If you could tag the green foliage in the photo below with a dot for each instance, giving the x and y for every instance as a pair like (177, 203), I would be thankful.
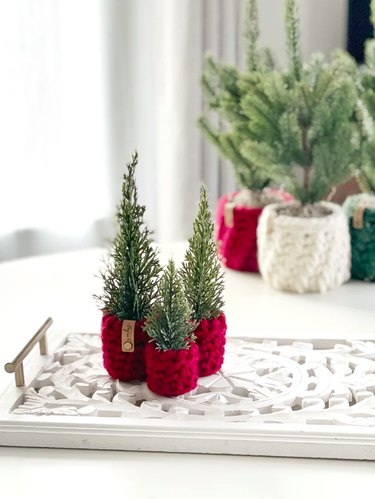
(223, 96)
(132, 274)
(293, 37)
(294, 127)
(168, 323)
(251, 34)
(201, 271)
(366, 114)
(305, 128)
(368, 73)
(366, 176)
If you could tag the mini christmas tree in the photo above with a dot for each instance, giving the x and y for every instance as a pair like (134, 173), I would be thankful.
(222, 87)
(201, 271)
(297, 126)
(168, 323)
(307, 116)
(366, 114)
(131, 278)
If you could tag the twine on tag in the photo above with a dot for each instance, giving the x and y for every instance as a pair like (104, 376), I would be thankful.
(228, 214)
(358, 216)
(367, 202)
(127, 336)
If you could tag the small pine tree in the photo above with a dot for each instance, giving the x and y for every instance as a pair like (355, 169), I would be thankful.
(201, 271)
(168, 322)
(306, 117)
(366, 114)
(366, 171)
(295, 127)
(223, 92)
(131, 276)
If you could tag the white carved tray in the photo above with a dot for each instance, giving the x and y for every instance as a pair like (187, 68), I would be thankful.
(272, 397)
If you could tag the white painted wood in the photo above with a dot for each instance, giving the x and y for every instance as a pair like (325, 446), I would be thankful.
(272, 397)
(62, 286)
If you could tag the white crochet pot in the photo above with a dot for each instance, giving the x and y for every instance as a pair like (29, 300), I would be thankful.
(304, 254)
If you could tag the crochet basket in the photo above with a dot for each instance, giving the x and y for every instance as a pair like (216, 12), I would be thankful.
(304, 254)
(123, 365)
(237, 238)
(210, 339)
(360, 209)
(172, 372)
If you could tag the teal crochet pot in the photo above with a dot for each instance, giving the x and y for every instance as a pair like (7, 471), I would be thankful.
(360, 210)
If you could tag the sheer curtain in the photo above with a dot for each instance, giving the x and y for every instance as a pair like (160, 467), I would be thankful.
(85, 82)
(54, 147)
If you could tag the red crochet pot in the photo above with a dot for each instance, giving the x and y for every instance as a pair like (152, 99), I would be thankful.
(237, 241)
(210, 338)
(125, 366)
(172, 372)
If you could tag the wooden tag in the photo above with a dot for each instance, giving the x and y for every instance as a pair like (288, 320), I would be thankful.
(358, 217)
(127, 336)
(228, 214)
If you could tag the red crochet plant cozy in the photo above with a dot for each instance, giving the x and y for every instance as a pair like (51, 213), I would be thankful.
(210, 338)
(172, 372)
(125, 366)
(237, 240)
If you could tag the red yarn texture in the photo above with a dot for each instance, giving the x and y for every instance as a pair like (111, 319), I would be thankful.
(173, 372)
(125, 366)
(238, 244)
(210, 335)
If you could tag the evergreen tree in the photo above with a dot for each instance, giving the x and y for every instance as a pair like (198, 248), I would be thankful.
(366, 114)
(307, 139)
(295, 127)
(366, 162)
(201, 271)
(221, 86)
(168, 322)
(132, 274)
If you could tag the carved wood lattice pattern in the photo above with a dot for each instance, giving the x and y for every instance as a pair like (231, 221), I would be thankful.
(261, 381)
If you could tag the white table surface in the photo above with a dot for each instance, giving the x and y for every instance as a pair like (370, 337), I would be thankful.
(61, 286)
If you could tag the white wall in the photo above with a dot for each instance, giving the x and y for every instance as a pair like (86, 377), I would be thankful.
(323, 26)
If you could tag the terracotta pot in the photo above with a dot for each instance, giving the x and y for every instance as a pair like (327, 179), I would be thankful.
(120, 361)
(210, 339)
(304, 254)
(172, 372)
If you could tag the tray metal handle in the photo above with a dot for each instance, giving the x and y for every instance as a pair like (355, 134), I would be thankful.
(16, 366)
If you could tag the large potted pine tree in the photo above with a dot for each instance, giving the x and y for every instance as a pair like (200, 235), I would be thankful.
(171, 355)
(310, 140)
(360, 208)
(204, 286)
(238, 212)
(130, 282)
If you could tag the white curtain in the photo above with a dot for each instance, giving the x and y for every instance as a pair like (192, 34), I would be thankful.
(85, 82)
(54, 147)
(156, 52)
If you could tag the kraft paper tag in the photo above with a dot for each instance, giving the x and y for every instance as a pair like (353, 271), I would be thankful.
(358, 216)
(228, 214)
(127, 336)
